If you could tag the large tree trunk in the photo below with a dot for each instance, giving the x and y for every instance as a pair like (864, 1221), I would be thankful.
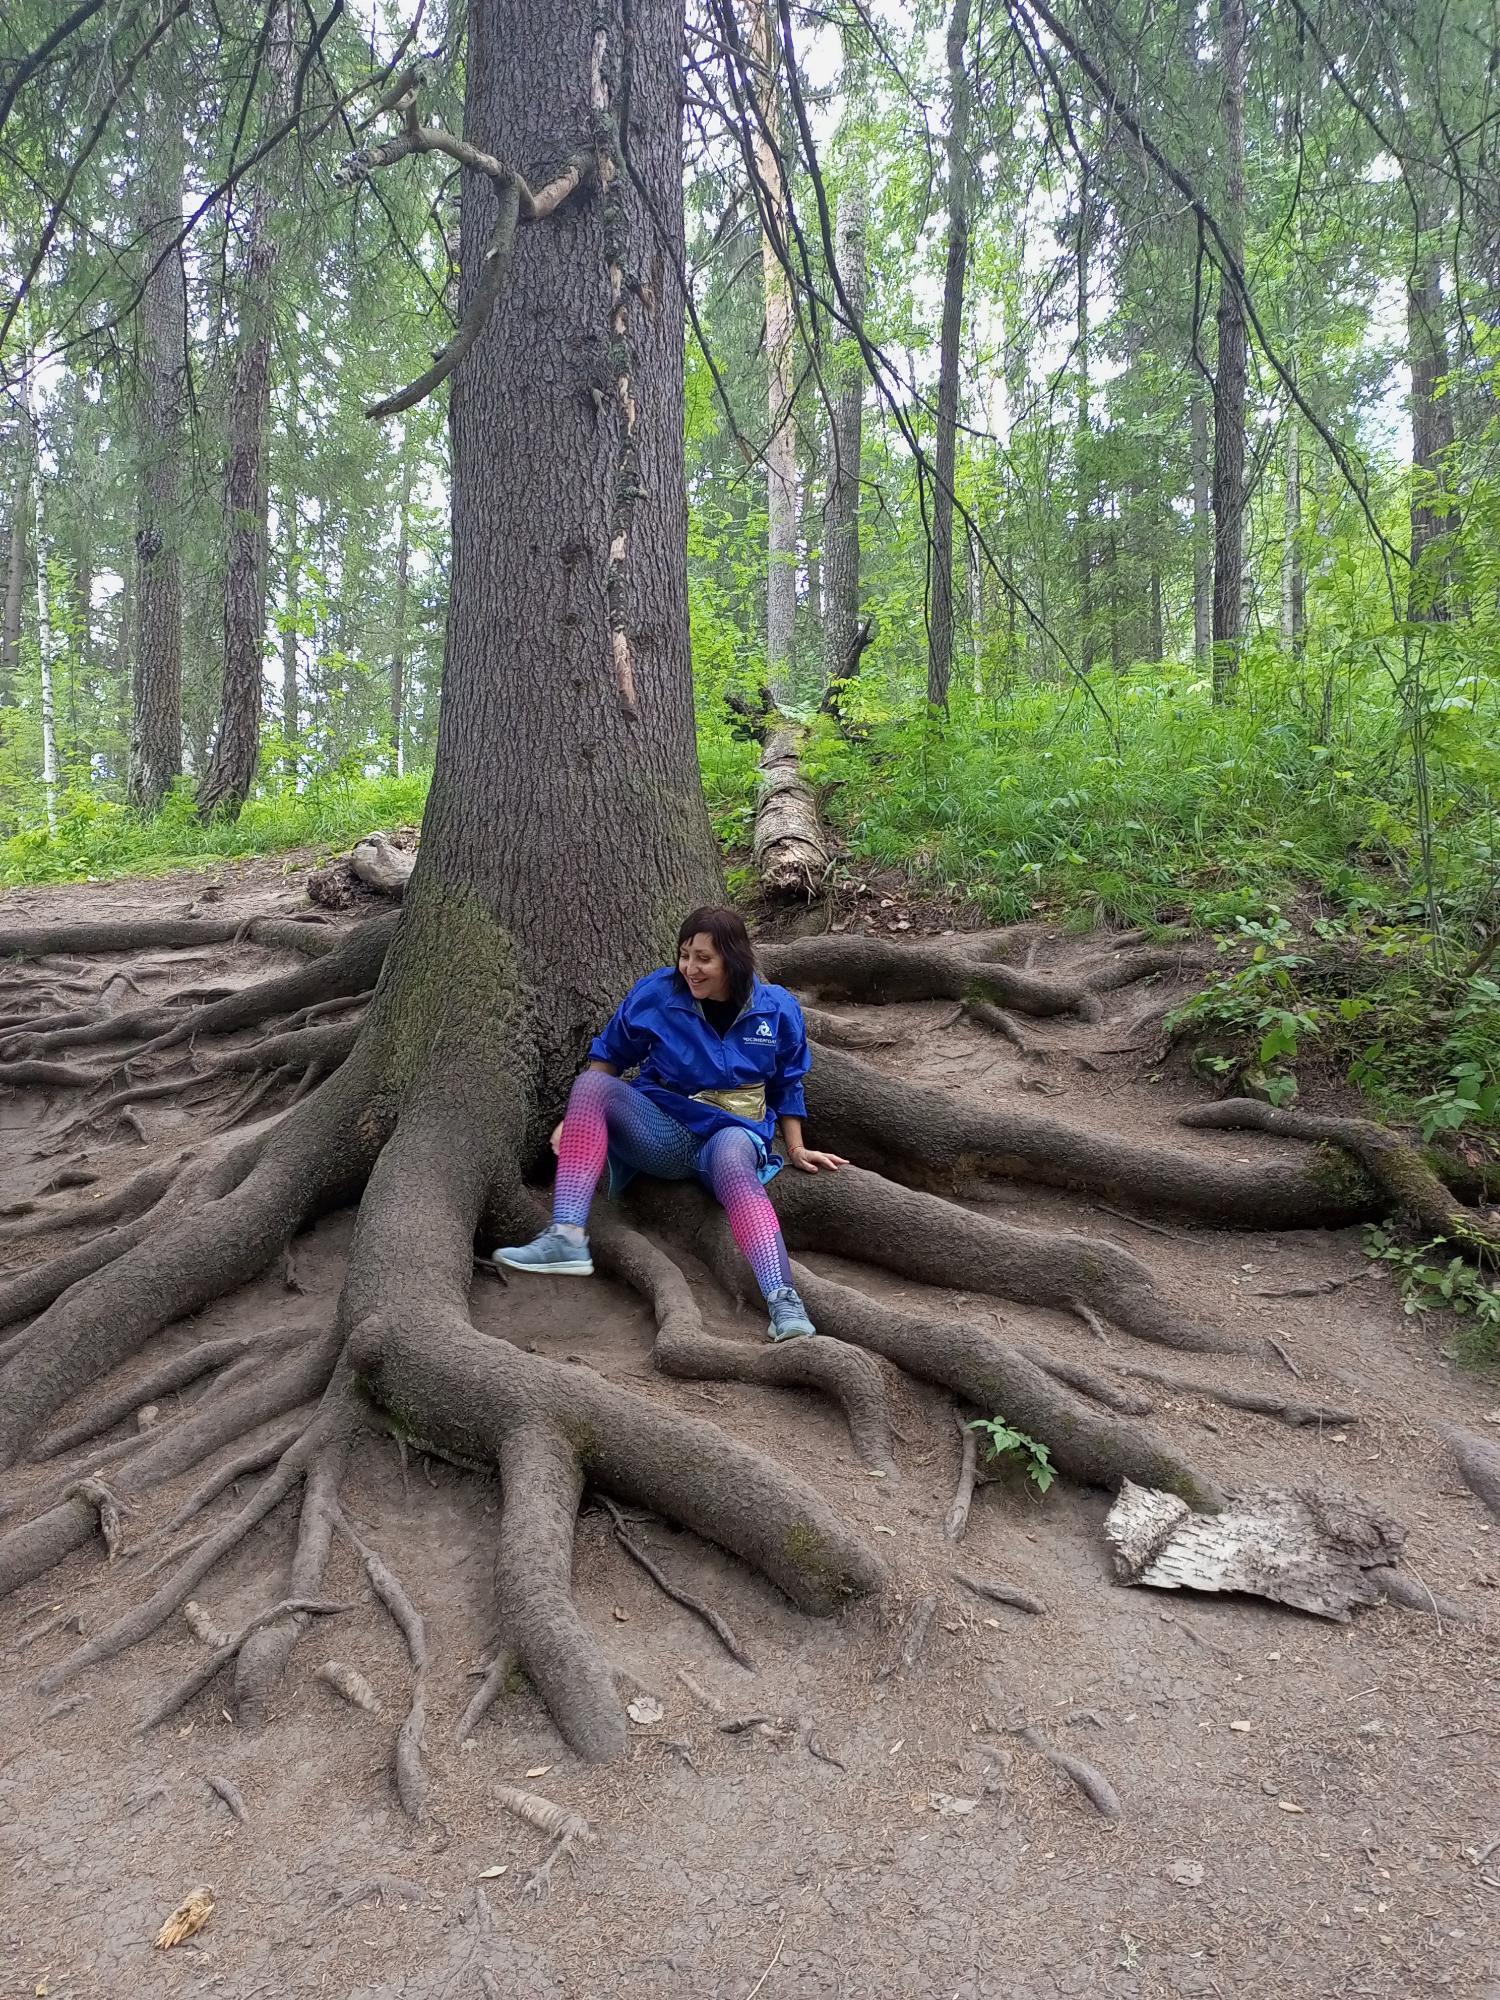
(841, 513)
(231, 772)
(1229, 378)
(156, 674)
(549, 793)
(1431, 411)
(940, 619)
(781, 376)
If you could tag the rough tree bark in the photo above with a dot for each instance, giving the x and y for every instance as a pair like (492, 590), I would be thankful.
(231, 771)
(156, 670)
(781, 377)
(940, 616)
(1293, 560)
(1229, 376)
(841, 511)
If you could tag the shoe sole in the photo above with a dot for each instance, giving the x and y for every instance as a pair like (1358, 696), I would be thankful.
(547, 1270)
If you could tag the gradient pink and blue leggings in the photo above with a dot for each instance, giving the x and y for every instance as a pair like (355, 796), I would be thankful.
(605, 1115)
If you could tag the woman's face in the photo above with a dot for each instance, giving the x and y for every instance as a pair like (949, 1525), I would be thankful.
(701, 966)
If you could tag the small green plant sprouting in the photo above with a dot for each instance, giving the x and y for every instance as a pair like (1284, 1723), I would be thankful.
(1003, 1440)
(1425, 1281)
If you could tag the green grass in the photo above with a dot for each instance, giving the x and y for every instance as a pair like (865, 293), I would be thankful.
(97, 840)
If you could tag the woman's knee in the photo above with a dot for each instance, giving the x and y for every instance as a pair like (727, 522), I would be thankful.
(731, 1155)
(592, 1090)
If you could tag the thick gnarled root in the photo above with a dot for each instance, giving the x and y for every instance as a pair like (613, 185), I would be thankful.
(548, 1427)
(940, 1141)
(1404, 1175)
(869, 1219)
(846, 1375)
(968, 969)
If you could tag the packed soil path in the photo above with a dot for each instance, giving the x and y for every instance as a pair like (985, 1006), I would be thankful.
(1308, 1809)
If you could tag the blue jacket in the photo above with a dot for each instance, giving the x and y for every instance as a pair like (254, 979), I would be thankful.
(660, 1027)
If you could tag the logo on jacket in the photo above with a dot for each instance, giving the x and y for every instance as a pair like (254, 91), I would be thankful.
(765, 1032)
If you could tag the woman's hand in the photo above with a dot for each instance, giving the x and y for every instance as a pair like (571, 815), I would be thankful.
(813, 1163)
(557, 1138)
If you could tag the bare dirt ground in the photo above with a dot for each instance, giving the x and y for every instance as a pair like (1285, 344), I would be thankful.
(1309, 1809)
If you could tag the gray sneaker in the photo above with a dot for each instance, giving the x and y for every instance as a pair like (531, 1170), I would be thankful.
(551, 1253)
(788, 1315)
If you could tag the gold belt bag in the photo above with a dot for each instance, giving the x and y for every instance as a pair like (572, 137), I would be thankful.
(748, 1101)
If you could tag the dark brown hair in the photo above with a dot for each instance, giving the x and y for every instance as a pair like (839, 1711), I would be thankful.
(731, 940)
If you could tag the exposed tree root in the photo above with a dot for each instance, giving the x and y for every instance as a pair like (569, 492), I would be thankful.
(111, 1511)
(1397, 1587)
(567, 1831)
(412, 1779)
(1098, 1388)
(1403, 1173)
(717, 1625)
(349, 966)
(1001, 1593)
(834, 1032)
(314, 1159)
(1479, 1462)
(208, 1670)
(847, 1376)
(1095, 1787)
(137, 1193)
(969, 969)
(957, 1354)
(968, 1467)
(262, 1661)
(174, 1373)
(913, 1637)
(46, 942)
(867, 1218)
(494, 1678)
(37, 1545)
(1288, 1411)
(261, 1450)
(930, 1138)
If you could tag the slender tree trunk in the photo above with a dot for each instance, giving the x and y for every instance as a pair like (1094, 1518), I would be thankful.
(15, 580)
(1229, 378)
(156, 676)
(398, 648)
(812, 551)
(291, 618)
(1203, 532)
(841, 513)
(1293, 561)
(231, 772)
(781, 379)
(940, 622)
(1431, 412)
(43, 613)
(1084, 485)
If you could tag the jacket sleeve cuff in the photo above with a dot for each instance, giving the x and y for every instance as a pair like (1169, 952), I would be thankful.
(788, 1102)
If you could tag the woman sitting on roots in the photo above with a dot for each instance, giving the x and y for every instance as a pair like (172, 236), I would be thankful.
(721, 1057)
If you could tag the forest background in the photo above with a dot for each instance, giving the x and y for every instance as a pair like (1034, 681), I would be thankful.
(1117, 507)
